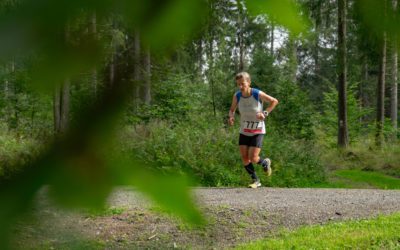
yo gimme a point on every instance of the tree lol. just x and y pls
(147, 76)
(136, 67)
(380, 93)
(240, 32)
(61, 101)
(343, 137)
(93, 34)
(393, 90)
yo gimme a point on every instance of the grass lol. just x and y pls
(109, 211)
(374, 179)
(359, 179)
(379, 233)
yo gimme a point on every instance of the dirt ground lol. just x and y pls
(234, 216)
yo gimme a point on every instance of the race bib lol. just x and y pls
(253, 127)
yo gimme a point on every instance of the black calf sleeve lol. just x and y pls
(250, 169)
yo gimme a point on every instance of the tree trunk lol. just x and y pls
(111, 66)
(93, 31)
(147, 79)
(61, 107)
(61, 101)
(112, 69)
(136, 69)
(393, 96)
(64, 112)
(363, 83)
(317, 66)
(241, 36)
(211, 72)
(14, 119)
(200, 58)
(56, 110)
(380, 104)
(272, 38)
(7, 95)
(292, 59)
(343, 136)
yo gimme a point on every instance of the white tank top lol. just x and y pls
(248, 109)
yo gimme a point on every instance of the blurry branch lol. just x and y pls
(282, 12)
(377, 19)
(81, 167)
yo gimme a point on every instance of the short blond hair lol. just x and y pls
(244, 75)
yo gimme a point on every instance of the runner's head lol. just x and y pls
(243, 80)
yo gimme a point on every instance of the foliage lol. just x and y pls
(175, 97)
(15, 151)
(294, 115)
(374, 179)
(296, 162)
(196, 48)
(355, 114)
(209, 152)
(363, 155)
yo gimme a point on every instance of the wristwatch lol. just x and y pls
(266, 113)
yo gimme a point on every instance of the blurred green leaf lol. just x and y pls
(379, 16)
(42, 27)
(170, 192)
(176, 21)
(81, 169)
(283, 12)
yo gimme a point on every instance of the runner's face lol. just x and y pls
(243, 84)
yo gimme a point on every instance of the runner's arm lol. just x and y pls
(271, 100)
(232, 110)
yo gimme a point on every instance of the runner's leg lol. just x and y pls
(244, 152)
(256, 159)
(253, 154)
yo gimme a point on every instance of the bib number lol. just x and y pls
(253, 127)
(251, 124)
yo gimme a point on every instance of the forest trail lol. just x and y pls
(235, 215)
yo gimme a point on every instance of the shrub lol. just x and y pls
(204, 148)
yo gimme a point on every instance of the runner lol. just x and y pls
(252, 127)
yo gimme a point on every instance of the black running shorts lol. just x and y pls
(251, 141)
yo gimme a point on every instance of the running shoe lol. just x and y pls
(266, 164)
(255, 184)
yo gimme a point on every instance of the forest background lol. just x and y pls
(97, 94)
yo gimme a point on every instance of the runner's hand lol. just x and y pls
(231, 120)
(260, 116)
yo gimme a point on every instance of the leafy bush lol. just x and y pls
(15, 151)
(206, 149)
(294, 114)
(174, 97)
(329, 120)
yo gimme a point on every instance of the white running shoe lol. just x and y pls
(255, 184)
(267, 166)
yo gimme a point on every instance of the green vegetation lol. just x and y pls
(379, 233)
(208, 151)
(106, 212)
(75, 74)
(374, 179)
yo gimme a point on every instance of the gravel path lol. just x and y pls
(290, 202)
(235, 215)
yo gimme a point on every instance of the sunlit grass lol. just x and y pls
(374, 179)
(359, 179)
(379, 233)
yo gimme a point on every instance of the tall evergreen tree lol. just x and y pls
(394, 89)
(343, 137)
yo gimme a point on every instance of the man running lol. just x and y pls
(252, 127)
